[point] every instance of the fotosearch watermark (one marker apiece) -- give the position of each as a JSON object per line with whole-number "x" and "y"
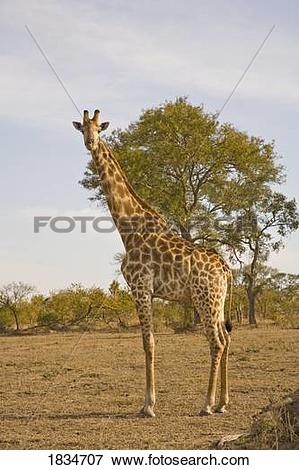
{"x": 101, "y": 224}
{"x": 145, "y": 223}
{"x": 67, "y": 224}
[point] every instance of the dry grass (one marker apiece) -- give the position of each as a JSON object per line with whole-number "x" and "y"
{"x": 275, "y": 427}
{"x": 92, "y": 404}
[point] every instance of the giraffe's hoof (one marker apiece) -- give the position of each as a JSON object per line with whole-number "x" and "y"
{"x": 205, "y": 412}
{"x": 221, "y": 409}
{"x": 147, "y": 412}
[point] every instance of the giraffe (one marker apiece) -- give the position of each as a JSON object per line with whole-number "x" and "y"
{"x": 160, "y": 264}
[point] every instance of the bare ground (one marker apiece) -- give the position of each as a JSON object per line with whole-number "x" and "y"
{"x": 68, "y": 391}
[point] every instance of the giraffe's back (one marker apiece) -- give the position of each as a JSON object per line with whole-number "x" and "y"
{"x": 173, "y": 264}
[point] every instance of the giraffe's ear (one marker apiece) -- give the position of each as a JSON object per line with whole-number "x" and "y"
{"x": 77, "y": 125}
{"x": 104, "y": 125}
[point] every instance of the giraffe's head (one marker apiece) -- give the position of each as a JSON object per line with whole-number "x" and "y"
{"x": 91, "y": 129}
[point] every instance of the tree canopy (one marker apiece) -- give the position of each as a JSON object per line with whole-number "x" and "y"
{"x": 190, "y": 167}
{"x": 13, "y": 296}
{"x": 212, "y": 182}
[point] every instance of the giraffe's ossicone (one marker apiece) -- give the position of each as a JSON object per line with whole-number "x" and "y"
{"x": 160, "y": 264}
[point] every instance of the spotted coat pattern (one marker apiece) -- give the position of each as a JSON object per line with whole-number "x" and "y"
{"x": 160, "y": 264}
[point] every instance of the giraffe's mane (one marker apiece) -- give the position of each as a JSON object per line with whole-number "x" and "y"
{"x": 131, "y": 190}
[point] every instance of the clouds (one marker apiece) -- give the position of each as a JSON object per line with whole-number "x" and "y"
{"x": 122, "y": 56}
{"x": 128, "y": 54}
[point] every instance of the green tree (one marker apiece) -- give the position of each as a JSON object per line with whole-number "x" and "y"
{"x": 32, "y": 309}
{"x": 120, "y": 306}
{"x": 212, "y": 182}
{"x": 189, "y": 167}
{"x": 283, "y": 290}
{"x": 255, "y": 232}
{"x": 13, "y": 296}
{"x": 74, "y": 305}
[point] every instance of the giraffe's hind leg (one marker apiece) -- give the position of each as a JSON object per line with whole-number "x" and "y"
{"x": 216, "y": 352}
{"x": 223, "y": 402}
{"x": 210, "y": 312}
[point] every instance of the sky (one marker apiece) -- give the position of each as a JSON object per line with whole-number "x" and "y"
{"x": 122, "y": 57}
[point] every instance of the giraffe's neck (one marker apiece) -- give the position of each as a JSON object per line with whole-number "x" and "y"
{"x": 129, "y": 212}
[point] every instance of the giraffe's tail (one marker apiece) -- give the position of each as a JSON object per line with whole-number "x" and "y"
{"x": 228, "y": 325}
{"x": 228, "y": 322}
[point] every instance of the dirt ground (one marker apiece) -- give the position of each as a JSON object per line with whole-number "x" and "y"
{"x": 68, "y": 391}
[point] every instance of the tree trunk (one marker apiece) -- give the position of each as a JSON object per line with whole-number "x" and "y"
{"x": 251, "y": 290}
{"x": 185, "y": 232}
{"x": 239, "y": 313}
{"x": 251, "y": 295}
{"x": 16, "y": 319}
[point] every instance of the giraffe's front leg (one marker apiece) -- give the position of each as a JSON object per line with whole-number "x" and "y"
{"x": 150, "y": 397}
{"x": 144, "y": 309}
